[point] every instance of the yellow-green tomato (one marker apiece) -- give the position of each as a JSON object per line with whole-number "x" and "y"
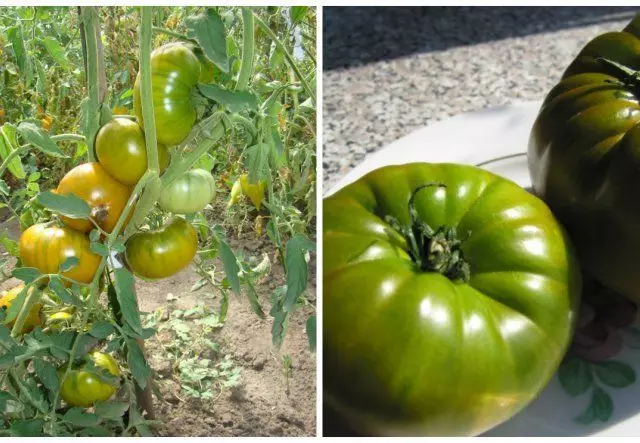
{"x": 163, "y": 252}
{"x": 188, "y": 193}
{"x": 121, "y": 151}
{"x": 84, "y": 388}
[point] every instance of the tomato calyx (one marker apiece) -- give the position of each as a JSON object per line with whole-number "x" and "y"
{"x": 630, "y": 77}
{"x": 433, "y": 250}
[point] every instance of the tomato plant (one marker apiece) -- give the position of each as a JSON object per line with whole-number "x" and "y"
{"x": 427, "y": 268}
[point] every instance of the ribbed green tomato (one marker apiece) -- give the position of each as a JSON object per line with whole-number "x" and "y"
{"x": 188, "y": 193}
{"x": 83, "y": 388}
{"x": 121, "y": 151}
{"x": 448, "y": 321}
{"x": 175, "y": 71}
{"x": 584, "y": 157}
{"x": 162, "y": 253}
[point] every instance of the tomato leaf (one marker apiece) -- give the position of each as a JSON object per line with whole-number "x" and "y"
{"x": 258, "y": 162}
{"x": 208, "y": 29}
{"x": 101, "y": 330}
{"x": 311, "y": 332}
{"x": 46, "y": 373}
{"x": 253, "y": 297}
{"x": 297, "y": 13}
{"x": 26, "y": 428}
{"x": 68, "y": 264}
{"x": 78, "y": 417}
{"x": 99, "y": 248}
{"x": 614, "y": 373}
{"x": 56, "y": 51}
{"x": 27, "y": 275}
{"x": 37, "y": 136}
{"x": 127, "y": 299}
{"x": 137, "y": 363}
{"x": 67, "y": 205}
{"x": 65, "y": 296}
{"x": 229, "y": 262}
{"x": 4, "y": 187}
{"x": 234, "y": 101}
{"x": 297, "y": 270}
{"x": 8, "y": 144}
{"x": 111, "y": 410}
{"x": 279, "y": 328}
{"x": 11, "y": 246}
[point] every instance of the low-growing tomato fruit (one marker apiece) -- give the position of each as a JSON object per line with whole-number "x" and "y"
{"x": 47, "y": 247}
{"x": 106, "y": 196}
{"x": 255, "y": 191}
{"x": 163, "y": 252}
{"x": 450, "y": 298}
{"x": 84, "y": 388}
{"x": 188, "y": 193}
{"x": 175, "y": 71}
{"x": 121, "y": 151}
{"x": 33, "y": 318}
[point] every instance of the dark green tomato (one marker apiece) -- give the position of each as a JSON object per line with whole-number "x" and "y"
{"x": 189, "y": 193}
{"x": 175, "y": 71}
{"x": 584, "y": 158}
{"x": 162, "y": 253}
{"x": 121, "y": 150}
{"x": 448, "y": 332}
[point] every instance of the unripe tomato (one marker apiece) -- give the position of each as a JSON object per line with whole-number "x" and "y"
{"x": 188, "y": 193}
{"x": 120, "y": 110}
{"x": 121, "y": 151}
{"x": 175, "y": 71}
{"x": 46, "y": 248}
{"x": 84, "y": 388}
{"x": 161, "y": 253}
{"x": 255, "y": 191}
{"x": 106, "y": 196}
{"x": 33, "y": 317}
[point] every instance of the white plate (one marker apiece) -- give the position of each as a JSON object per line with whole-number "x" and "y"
{"x": 609, "y": 401}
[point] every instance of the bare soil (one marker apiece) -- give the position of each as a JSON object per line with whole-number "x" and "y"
{"x": 260, "y": 405}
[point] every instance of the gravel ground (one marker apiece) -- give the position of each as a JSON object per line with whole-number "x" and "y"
{"x": 391, "y": 71}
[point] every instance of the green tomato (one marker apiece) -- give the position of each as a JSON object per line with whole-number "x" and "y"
{"x": 188, "y": 193}
{"x": 121, "y": 151}
{"x": 84, "y": 388}
{"x": 584, "y": 157}
{"x": 450, "y": 297}
{"x": 175, "y": 71}
{"x": 163, "y": 252}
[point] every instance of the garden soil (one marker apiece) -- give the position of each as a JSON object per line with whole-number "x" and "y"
{"x": 261, "y": 405}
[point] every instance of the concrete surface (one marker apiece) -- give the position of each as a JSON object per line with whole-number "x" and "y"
{"x": 390, "y": 71}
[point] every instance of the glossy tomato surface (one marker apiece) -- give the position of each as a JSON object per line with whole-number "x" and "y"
{"x": 584, "y": 157}
{"x": 46, "y": 248}
{"x": 410, "y": 349}
{"x": 121, "y": 151}
{"x": 188, "y": 193}
{"x": 33, "y": 317}
{"x": 163, "y": 252}
{"x": 106, "y": 196}
{"x": 84, "y": 388}
{"x": 175, "y": 72}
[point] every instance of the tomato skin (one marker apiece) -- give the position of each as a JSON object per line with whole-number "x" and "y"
{"x": 164, "y": 252}
{"x": 105, "y": 195}
{"x": 413, "y": 352}
{"x": 83, "y": 388}
{"x": 255, "y": 191}
{"x": 189, "y": 193}
{"x": 121, "y": 151}
{"x": 33, "y": 318}
{"x": 583, "y": 158}
{"x": 46, "y": 248}
{"x": 175, "y": 71}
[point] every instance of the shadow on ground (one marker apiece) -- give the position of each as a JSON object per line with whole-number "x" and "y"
{"x": 359, "y": 35}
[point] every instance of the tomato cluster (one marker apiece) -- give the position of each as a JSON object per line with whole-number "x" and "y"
{"x": 106, "y": 185}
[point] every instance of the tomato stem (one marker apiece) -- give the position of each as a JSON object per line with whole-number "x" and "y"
{"x": 438, "y": 250}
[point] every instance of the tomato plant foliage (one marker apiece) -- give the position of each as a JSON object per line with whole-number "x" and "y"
{"x": 250, "y": 135}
